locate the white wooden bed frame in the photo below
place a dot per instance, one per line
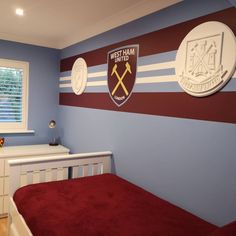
(45, 169)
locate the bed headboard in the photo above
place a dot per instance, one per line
(27, 171)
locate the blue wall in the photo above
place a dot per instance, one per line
(43, 92)
(188, 162)
(191, 163)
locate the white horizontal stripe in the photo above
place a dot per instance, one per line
(89, 84)
(65, 78)
(157, 66)
(97, 83)
(90, 75)
(65, 85)
(139, 80)
(97, 74)
(157, 79)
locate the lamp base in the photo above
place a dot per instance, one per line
(53, 144)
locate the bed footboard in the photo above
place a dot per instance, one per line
(45, 169)
(16, 223)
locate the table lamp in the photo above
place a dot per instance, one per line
(52, 125)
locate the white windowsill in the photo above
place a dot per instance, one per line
(17, 132)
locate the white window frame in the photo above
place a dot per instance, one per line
(18, 127)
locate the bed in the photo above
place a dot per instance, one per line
(97, 204)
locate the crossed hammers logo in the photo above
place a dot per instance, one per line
(120, 78)
(200, 59)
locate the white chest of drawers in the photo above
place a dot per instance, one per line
(14, 152)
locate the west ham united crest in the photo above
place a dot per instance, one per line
(122, 68)
(206, 59)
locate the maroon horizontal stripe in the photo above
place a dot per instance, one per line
(163, 40)
(218, 107)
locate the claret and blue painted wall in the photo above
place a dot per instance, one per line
(179, 147)
(172, 144)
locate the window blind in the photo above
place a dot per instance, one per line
(11, 85)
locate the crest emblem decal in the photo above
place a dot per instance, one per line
(122, 68)
(206, 59)
(79, 75)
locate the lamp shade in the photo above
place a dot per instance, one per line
(52, 124)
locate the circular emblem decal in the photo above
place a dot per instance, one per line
(79, 75)
(206, 59)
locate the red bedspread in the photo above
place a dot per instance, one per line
(103, 205)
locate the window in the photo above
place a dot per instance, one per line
(13, 95)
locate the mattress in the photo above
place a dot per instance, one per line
(103, 205)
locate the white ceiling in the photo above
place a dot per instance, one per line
(60, 23)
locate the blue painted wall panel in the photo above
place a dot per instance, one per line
(43, 89)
